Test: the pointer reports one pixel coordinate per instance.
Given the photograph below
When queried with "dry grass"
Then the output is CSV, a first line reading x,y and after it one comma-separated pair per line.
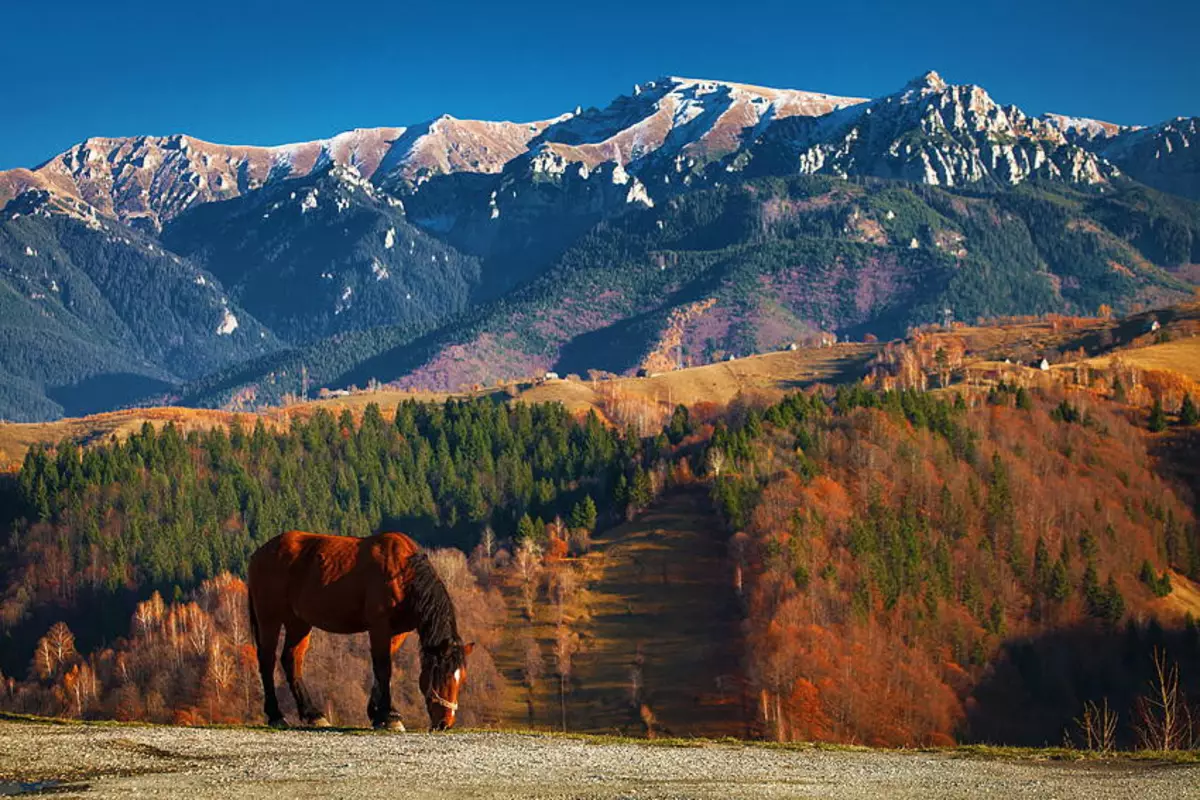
x,y
770,375
16,438
1182,356
1184,599
658,586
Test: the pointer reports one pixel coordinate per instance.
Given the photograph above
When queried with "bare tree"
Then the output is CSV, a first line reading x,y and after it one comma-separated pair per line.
x,y
1098,726
715,461
564,586
532,669
149,615
529,569
54,651
1164,720
488,541
566,645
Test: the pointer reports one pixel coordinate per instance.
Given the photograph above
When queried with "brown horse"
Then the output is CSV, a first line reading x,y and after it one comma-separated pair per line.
x,y
383,585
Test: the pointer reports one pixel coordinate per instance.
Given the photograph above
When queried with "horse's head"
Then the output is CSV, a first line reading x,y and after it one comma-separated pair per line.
x,y
443,673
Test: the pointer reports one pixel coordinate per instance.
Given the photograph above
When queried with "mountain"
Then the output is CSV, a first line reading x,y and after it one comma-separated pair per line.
x,y
1165,156
688,219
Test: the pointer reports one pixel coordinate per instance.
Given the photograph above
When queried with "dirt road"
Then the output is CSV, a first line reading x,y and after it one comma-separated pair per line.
x,y
98,761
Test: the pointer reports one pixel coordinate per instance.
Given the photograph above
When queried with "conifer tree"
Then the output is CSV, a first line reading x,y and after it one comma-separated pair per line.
x,y
1158,418
1188,413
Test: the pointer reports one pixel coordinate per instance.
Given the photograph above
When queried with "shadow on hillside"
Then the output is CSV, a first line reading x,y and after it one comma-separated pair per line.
x,y
1032,694
106,392
1178,451
615,348
847,369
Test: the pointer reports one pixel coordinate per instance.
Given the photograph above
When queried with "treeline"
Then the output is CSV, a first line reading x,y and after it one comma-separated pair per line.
x,y
168,511
892,544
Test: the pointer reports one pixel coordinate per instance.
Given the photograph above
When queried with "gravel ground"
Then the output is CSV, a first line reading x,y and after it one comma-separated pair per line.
x,y
132,761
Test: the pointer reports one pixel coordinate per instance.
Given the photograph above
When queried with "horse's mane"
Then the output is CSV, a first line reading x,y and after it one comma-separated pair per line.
x,y
436,625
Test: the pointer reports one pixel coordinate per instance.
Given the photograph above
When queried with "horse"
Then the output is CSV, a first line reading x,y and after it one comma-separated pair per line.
x,y
382,584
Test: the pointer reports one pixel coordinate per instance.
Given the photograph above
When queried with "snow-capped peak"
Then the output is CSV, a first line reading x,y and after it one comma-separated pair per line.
x,y
929,80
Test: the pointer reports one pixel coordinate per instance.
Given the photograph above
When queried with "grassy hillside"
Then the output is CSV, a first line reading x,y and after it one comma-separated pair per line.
x,y
657,621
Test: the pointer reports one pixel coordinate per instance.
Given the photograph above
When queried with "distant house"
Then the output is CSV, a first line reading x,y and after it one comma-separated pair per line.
x,y
793,346
731,357
1043,365
551,376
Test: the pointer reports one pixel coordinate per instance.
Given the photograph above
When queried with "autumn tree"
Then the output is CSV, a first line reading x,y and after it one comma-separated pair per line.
x,y
55,651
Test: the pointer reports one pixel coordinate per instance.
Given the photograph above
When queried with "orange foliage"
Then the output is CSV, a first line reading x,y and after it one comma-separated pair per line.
x,y
835,653
194,662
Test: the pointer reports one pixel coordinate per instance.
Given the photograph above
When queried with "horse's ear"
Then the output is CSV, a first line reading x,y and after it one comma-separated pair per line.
x,y
467,648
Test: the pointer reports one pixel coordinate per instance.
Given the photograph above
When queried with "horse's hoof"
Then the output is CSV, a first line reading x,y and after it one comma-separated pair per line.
x,y
319,722
392,723
278,724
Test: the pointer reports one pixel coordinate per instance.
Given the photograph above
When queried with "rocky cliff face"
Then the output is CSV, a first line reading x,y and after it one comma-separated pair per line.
x,y
1165,156
934,133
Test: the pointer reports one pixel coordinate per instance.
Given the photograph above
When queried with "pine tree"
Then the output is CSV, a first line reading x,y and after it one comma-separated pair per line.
x,y
526,532
1158,418
680,425
1188,414
583,515
1060,582
1041,566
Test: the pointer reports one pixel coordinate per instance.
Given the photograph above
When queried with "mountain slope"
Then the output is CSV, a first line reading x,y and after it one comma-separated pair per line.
x,y
96,315
325,254
1165,156
752,267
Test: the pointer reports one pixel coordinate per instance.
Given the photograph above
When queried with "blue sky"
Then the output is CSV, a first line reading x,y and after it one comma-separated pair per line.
x,y
251,72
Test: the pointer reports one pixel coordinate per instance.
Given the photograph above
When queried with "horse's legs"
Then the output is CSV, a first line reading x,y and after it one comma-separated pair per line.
x,y
295,645
380,707
266,639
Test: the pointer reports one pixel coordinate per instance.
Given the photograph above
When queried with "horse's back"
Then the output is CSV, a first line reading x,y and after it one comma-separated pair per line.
x,y
327,580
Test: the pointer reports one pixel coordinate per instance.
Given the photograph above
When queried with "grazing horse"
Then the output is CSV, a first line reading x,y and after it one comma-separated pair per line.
x,y
381,584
